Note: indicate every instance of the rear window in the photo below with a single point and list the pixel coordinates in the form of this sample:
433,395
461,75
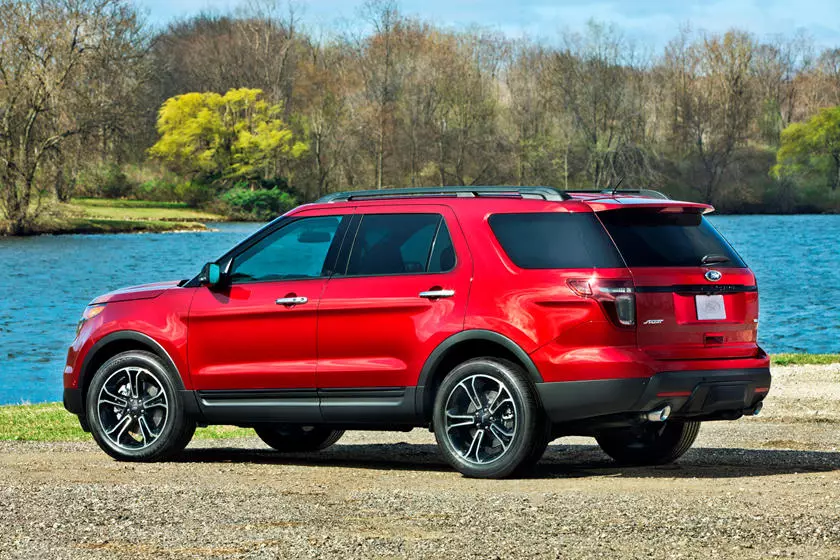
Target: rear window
555,240
401,244
647,238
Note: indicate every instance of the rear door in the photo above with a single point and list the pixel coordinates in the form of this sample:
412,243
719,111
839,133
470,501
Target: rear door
695,297
402,291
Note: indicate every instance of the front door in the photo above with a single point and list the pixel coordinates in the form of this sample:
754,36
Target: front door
257,335
403,290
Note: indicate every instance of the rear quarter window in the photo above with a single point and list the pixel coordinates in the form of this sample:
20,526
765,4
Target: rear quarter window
555,240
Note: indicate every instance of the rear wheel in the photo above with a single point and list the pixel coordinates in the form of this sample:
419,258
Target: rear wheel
652,444
487,419
296,438
135,411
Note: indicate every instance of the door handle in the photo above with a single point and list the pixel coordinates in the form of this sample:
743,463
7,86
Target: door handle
292,300
437,293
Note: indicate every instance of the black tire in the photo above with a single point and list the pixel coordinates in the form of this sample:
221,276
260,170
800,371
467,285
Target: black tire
651,444
158,402
543,438
293,438
521,417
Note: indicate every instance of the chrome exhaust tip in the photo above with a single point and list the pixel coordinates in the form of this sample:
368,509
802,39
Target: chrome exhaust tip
757,409
660,414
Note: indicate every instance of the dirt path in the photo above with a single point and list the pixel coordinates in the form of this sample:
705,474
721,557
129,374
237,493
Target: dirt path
756,488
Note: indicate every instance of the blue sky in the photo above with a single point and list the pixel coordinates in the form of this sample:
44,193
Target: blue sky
652,22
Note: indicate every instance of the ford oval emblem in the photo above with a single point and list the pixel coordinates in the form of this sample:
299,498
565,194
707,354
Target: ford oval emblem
713,275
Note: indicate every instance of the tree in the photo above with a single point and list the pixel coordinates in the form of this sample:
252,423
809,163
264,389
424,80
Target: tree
378,58
237,136
811,147
595,79
55,55
713,102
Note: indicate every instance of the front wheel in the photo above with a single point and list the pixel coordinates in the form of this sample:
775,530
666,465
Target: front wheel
651,444
134,409
487,419
292,438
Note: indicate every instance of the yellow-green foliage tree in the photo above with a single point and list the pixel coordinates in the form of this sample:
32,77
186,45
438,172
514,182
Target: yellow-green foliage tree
235,137
812,147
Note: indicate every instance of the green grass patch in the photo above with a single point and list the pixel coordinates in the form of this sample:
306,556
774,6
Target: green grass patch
100,208
50,422
804,359
121,203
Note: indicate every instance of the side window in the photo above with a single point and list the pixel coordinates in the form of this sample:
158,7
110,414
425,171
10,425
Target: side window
395,244
298,250
442,258
555,240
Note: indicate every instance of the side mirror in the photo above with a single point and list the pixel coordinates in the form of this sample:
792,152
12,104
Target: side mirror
211,274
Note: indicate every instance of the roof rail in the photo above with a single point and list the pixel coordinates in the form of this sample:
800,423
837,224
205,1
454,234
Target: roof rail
544,193
650,193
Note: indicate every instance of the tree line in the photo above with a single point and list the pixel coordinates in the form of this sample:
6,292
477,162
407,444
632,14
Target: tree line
399,101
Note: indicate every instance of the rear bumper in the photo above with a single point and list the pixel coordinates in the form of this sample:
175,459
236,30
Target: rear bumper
692,395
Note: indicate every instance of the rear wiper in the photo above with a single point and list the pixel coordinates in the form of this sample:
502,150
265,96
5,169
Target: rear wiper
711,259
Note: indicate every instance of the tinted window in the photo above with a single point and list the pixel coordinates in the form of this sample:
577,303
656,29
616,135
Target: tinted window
443,253
298,250
555,240
648,238
393,244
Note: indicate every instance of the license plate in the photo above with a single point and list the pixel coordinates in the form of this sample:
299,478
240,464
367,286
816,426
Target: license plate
710,308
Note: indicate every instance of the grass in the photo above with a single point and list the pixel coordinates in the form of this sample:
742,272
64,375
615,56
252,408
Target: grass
98,215
50,422
140,210
804,359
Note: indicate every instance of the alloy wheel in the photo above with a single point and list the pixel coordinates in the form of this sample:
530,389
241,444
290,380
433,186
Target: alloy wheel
481,419
133,408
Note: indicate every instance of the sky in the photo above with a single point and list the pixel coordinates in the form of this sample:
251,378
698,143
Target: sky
651,22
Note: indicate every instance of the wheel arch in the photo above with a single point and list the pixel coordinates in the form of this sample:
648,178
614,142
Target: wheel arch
116,343
457,349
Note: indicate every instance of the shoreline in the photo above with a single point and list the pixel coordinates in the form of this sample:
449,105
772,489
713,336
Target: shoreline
102,215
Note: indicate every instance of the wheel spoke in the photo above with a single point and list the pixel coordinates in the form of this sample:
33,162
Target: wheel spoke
476,402
116,400
501,429
475,444
118,424
498,434
500,404
122,431
469,422
160,397
493,405
144,430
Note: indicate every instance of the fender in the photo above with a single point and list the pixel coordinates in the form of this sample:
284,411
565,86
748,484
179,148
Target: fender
437,355
135,337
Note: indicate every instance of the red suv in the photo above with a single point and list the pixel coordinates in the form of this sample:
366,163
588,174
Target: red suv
499,317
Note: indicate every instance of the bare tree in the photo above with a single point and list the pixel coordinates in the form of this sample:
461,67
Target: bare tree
53,55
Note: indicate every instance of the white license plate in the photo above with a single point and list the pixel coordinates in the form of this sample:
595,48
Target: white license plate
710,308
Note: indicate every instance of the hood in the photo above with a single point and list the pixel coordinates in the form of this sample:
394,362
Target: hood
144,291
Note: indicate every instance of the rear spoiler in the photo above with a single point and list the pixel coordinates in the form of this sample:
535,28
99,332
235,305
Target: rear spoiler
664,206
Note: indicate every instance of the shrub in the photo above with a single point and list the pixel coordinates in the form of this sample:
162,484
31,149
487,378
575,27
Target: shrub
261,204
105,181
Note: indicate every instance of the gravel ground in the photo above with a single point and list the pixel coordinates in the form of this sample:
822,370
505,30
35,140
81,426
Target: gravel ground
756,488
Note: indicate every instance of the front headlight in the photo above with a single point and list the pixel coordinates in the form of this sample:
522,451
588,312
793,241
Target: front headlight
89,313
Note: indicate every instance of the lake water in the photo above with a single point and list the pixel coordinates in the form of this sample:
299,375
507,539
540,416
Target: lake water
50,279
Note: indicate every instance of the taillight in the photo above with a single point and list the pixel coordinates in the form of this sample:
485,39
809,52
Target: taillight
617,297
